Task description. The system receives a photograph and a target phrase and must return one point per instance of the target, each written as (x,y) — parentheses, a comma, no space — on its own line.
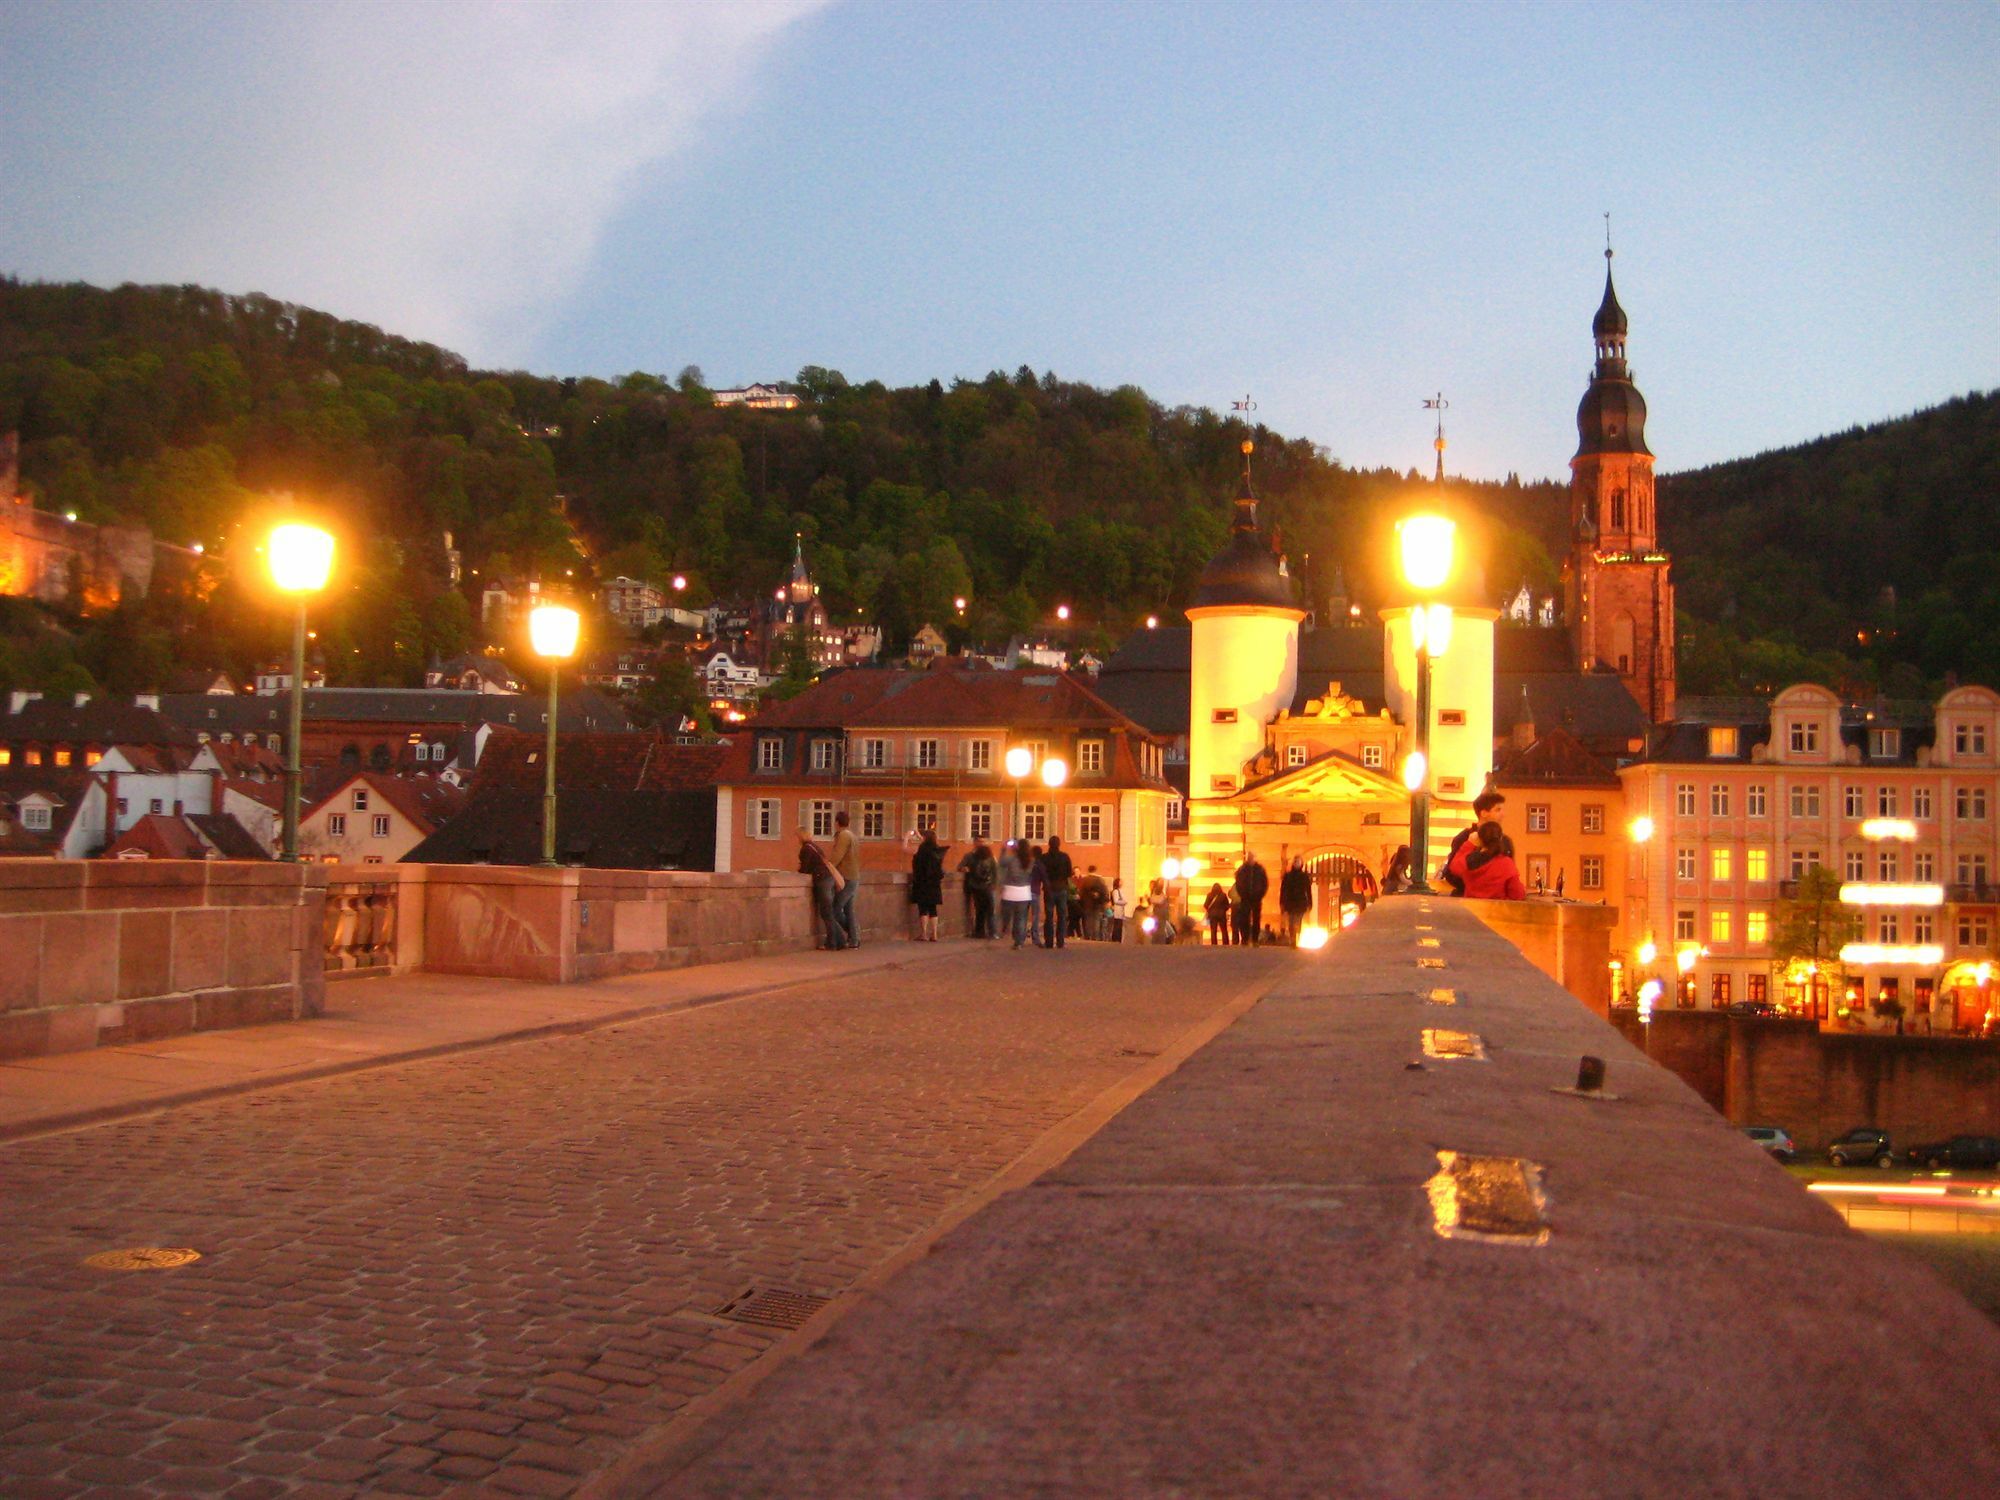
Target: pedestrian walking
(1295,899)
(1038,887)
(1059,875)
(846,860)
(1216,907)
(1253,882)
(825,879)
(927,885)
(1016,895)
(978,871)
(1117,908)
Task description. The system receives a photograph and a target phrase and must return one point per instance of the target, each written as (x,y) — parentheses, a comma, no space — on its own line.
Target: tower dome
(1245,573)
(1611,418)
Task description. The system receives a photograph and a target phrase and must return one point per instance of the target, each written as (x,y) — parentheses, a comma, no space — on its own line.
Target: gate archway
(1337,869)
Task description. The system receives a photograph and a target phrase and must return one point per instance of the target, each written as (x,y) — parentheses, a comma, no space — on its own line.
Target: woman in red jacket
(1490,871)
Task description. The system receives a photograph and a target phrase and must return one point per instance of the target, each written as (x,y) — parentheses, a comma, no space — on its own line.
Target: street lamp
(1020,763)
(1425,545)
(300,557)
(552,630)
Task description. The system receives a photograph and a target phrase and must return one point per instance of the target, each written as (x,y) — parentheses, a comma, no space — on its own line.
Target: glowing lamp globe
(301,557)
(680,581)
(1054,773)
(1641,829)
(1414,771)
(552,629)
(1312,938)
(1426,545)
(1170,869)
(1020,761)
(1648,951)
(1152,622)
(1062,611)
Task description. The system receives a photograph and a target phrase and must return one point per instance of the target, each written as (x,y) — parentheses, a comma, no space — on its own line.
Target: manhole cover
(145,1258)
(1493,1198)
(771,1307)
(1441,1043)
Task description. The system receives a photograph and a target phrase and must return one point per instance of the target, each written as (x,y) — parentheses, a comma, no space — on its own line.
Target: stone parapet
(1567,940)
(106,951)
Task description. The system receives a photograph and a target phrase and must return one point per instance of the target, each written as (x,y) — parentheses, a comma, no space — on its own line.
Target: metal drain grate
(1443,997)
(146,1258)
(772,1307)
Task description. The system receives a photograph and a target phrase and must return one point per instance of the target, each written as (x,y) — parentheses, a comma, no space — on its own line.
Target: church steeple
(799,587)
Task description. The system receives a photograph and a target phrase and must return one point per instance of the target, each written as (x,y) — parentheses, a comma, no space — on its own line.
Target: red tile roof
(424,800)
(947,695)
(1558,758)
(598,762)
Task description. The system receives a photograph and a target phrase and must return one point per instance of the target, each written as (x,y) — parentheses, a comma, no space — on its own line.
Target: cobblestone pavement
(492,1271)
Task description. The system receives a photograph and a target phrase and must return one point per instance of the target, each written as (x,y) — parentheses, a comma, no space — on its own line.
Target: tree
(796,672)
(1811,926)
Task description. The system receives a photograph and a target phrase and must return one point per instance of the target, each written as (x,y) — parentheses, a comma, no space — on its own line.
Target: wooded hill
(185,409)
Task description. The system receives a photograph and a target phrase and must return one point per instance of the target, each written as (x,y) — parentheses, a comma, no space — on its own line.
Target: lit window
(1718,800)
(1721,741)
(1719,864)
(62,757)
(1756,864)
(6,756)
(1593,817)
(1538,817)
(1718,926)
(1756,927)
(1755,802)
(1718,993)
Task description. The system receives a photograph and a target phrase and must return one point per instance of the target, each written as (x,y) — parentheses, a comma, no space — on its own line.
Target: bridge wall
(103,951)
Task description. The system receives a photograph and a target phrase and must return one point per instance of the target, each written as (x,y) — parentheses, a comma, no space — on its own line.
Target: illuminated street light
(1426,545)
(1020,761)
(552,630)
(1870,955)
(1648,951)
(1313,937)
(1054,773)
(1062,611)
(1152,622)
(1901,829)
(301,560)
(1641,829)
(680,582)
(1861,893)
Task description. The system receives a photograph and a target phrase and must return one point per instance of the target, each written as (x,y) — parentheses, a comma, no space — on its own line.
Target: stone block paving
(490,1272)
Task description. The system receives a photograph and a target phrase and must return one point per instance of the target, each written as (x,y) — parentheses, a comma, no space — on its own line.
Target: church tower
(1618,583)
(1244,669)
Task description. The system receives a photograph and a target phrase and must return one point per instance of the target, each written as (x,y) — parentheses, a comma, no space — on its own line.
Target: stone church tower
(1618,583)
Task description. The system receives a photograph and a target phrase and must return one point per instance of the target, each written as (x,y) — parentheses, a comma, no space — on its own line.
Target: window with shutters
(874,820)
(825,754)
(1035,821)
(874,754)
(924,816)
(1090,823)
(980,820)
(819,819)
(930,754)
(762,817)
(1090,757)
(979,755)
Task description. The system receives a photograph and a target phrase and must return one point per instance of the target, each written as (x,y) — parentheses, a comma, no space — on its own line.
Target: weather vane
(1439,405)
(1246,405)
(1607,234)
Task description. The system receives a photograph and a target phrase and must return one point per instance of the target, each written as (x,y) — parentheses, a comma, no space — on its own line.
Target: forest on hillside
(187,410)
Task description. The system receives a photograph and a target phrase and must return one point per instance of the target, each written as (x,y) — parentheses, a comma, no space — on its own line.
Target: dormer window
(1090,757)
(1885,744)
(1804,737)
(1722,742)
(1968,739)
(36,818)
(770,753)
(824,755)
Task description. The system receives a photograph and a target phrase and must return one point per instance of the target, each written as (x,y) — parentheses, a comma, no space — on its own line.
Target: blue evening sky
(1336,208)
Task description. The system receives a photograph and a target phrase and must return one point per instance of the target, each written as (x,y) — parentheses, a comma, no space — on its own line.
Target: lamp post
(1020,763)
(300,557)
(1425,544)
(552,629)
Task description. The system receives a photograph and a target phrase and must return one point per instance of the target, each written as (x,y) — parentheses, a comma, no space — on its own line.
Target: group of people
(1041,897)
(1236,914)
(1034,894)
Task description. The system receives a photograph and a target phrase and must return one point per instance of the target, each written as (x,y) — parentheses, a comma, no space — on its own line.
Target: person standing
(1117,908)
(1038,888)
(1295,899)
(1253,883)
(1016,895)
(1488,806)
(846,859)
(1216,907)
(1059,873)
(1490,871)
(979,870)
(813,862)
(1093,895)
(927,885)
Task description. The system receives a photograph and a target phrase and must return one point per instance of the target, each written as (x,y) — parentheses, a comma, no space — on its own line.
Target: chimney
(20,699)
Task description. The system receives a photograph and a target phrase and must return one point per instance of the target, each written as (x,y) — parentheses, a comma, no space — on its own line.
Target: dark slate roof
(1557,758)
(603,830)
(1610,321)
(100,720)
(599,762)
(578,708)
(1155,699)
(1590,705)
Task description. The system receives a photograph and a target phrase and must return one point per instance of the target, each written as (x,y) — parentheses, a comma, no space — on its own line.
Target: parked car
(1959,1151)
(1772,1140)
(1862,1147)
(1762,1008)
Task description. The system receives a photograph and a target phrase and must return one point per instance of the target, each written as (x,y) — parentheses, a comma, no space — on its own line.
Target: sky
(1337,210)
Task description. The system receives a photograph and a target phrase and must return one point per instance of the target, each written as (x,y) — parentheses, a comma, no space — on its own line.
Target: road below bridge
(499,1269)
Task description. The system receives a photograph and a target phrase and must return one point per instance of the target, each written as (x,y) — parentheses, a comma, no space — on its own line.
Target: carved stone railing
(358,929)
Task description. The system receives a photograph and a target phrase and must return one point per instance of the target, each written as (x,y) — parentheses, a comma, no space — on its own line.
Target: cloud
(443,170)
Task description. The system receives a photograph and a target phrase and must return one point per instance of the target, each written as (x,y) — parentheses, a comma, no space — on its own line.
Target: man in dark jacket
(1253,883)
(1488,807)
(1295,898)
(1058,872)
(980,870)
